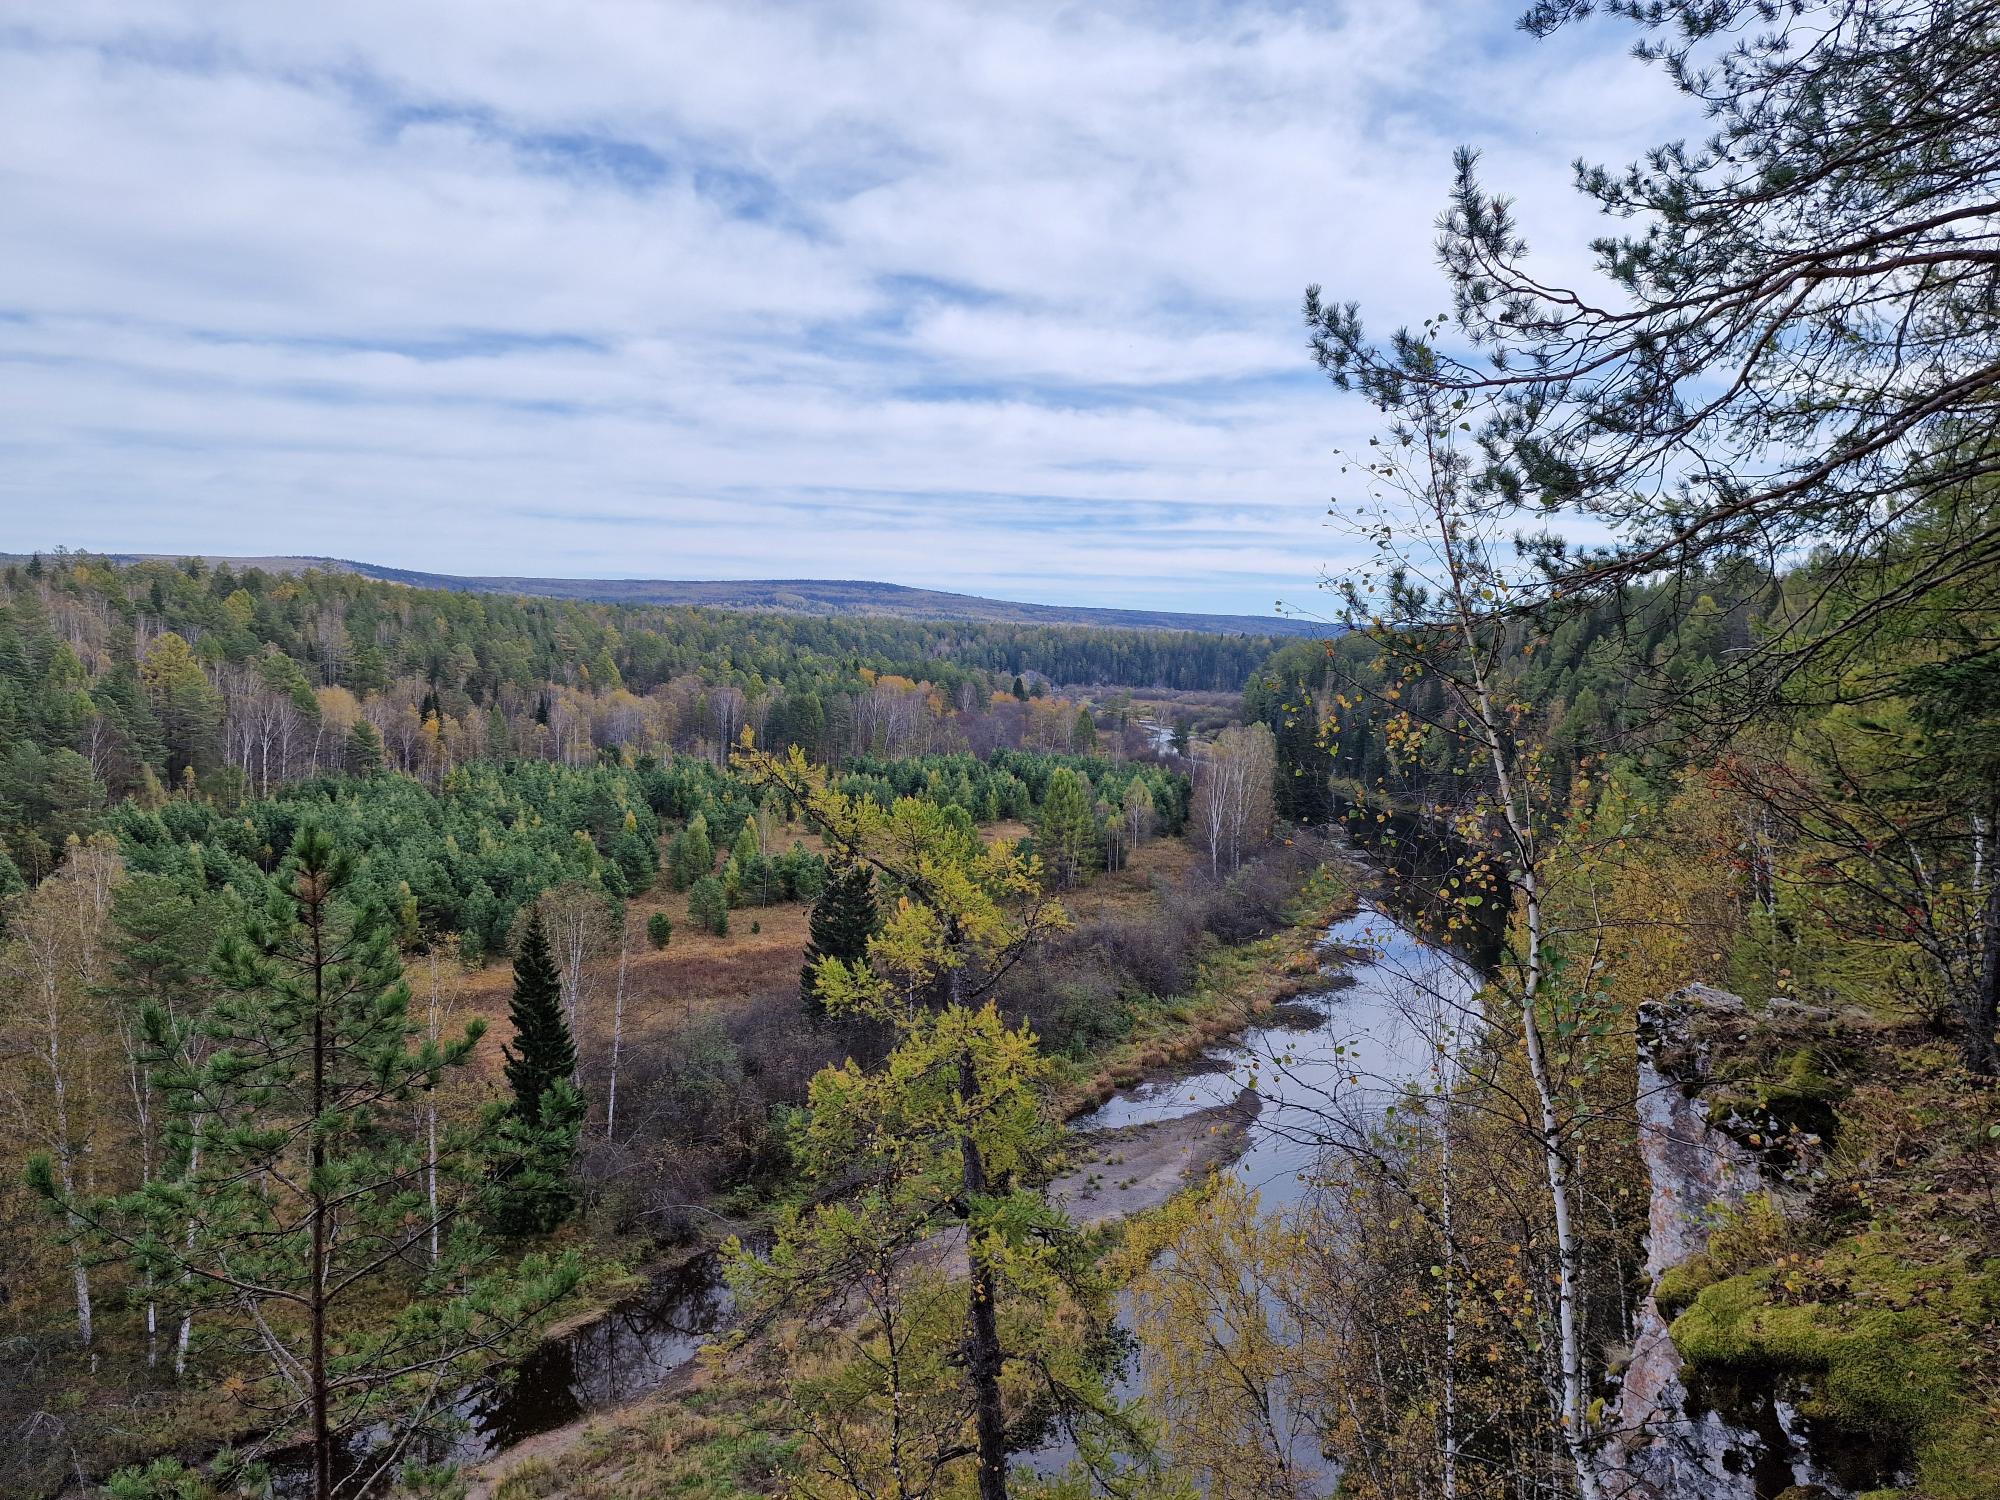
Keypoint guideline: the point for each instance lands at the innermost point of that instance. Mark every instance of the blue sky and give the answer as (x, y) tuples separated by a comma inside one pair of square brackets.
[(999, 298)]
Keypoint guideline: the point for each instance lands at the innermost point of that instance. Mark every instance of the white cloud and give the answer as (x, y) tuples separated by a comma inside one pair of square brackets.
[(980, 297)]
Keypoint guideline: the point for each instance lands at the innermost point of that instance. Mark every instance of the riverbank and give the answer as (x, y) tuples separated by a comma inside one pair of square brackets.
[(709, 1432), (1136, 1168), (1234, 987), (700, 1428)]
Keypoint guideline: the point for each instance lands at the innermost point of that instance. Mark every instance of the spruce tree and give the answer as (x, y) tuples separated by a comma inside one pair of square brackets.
[(1083, 737), (543, 1125), (843, 920), (543, 1053)]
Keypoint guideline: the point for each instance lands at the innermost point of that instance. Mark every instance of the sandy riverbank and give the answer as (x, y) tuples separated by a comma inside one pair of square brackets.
[(1119, 1173)]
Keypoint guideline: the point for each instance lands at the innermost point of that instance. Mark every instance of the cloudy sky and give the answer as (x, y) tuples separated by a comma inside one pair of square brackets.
[(988, 297)]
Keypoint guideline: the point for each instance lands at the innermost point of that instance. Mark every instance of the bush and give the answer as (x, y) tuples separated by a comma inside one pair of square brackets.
[(659, 929)]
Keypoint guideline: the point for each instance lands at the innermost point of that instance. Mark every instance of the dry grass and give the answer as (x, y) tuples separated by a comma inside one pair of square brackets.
[(697, 974), (700, 974)]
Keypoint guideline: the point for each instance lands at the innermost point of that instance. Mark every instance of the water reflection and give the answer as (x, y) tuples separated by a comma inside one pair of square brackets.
[(1391, 1016), (632, 1350), (1377, 1036)]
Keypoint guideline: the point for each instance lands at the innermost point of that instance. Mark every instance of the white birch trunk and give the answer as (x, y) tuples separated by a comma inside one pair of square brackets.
[(617, 1040)]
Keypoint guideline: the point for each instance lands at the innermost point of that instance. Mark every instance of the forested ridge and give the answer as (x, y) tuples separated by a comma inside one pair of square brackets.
[(1640, 675), (153, 678)]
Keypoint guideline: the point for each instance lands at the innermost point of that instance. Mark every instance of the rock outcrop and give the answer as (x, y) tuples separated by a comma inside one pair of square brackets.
[(1676, 1437)]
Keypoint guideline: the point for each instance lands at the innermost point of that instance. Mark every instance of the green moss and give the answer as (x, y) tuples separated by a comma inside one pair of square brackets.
[(1681, 1284), (1875, 1341), (1775, 1101), (1803, 1096)]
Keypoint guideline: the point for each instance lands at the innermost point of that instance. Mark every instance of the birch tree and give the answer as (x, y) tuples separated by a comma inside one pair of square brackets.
[(578, 921), (1232, 794), (56, 1040), (1436, 602)]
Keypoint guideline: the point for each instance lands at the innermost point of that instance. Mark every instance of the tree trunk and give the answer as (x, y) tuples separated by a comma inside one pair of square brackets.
[(1569, 1253), (65, 1154), (617, 1040), (186, 1334), (1450, 1259), (316, 1191), (983, 1354), (435, 1023), (1983, 1014)]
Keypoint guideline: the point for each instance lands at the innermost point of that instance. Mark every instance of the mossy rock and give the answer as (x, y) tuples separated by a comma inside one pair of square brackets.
[(1880, 1357), (1803, 1097), (1779, 1116), (1681, 1284)]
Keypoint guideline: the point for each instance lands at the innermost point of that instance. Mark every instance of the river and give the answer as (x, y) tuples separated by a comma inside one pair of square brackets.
[(1369, 1039), (1329, 1063), (1324, 1073)]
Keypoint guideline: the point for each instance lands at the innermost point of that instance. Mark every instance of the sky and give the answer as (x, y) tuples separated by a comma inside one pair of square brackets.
[(997, 298)]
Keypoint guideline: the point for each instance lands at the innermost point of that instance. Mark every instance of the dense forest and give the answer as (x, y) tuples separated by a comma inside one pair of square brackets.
[(156, 678), (221, 788)]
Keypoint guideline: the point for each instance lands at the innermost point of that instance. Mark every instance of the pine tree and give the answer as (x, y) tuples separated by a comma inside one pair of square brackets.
[(1066, 832), (708, 905), (364, 748), (296, 1215), (843, 920)]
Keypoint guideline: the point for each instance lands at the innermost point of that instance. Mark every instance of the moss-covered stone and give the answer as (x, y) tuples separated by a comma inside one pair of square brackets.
[(1681, 1284), (1873, 1344), (1802, 1097)]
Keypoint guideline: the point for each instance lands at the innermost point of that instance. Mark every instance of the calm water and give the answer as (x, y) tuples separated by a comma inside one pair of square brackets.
[(635, 1348), (1392, 1001), (1371, 1042)]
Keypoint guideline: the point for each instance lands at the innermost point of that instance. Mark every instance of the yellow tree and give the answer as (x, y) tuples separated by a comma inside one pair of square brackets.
[(56, 1052), (943, 1152)]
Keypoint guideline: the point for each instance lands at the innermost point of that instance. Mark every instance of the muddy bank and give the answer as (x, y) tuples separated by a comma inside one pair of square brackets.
[(1119, 1173)]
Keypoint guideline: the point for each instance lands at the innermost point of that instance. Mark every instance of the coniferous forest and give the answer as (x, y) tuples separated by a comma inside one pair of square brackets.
[(1540, 1040)]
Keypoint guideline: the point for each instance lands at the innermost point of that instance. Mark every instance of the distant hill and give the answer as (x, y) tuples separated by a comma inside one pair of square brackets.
[(798, 596)]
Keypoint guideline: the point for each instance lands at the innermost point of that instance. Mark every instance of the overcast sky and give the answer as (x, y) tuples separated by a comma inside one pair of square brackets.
[(988, 297)]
